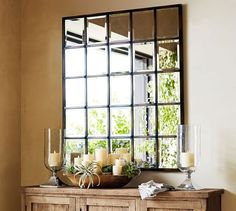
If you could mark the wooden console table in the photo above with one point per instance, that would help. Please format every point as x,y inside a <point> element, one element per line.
<point>75,199</point>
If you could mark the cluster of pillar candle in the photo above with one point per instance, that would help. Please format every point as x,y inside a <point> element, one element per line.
<point>101,156</point>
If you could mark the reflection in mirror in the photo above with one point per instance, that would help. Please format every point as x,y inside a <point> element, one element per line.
<point>95,144</point>
<point>143,23</point>
<point>121,143</point>
<point>73,65</point>
<point>119,27</point>
<point>96,29</point>
<point>168,118</point>
<point>74,32</point>
<point>73,97</point>
<point>97,98</point>
<point>75,148</point>
<point>120,121</point>
<point>96,60</point>
<point>144,57</point>
<point>167,152</point>
<point>123,84</point>
<point>120,95</point>
<point>144,121</point>
<point>97,122</point>
<point>144,89</point>
<point>169,87</point>
<point>168,54</point>
<point>145,152</point>
<point>75,123</point>
<point>120,58</point>
<point>167,23</point>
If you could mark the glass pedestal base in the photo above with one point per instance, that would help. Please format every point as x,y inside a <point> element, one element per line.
<point>53,181</point>
<point>187,183</point>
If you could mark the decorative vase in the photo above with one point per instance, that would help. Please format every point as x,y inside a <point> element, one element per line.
<point>53,154</point>
<point>188,153</point>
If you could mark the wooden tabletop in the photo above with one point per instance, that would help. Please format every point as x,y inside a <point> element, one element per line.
<point>131,192</point>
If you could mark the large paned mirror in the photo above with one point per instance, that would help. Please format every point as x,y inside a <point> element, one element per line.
<point>123,84</point>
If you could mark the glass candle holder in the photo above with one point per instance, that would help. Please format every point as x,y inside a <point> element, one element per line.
<point>53,153</point>
<point>188,153</point>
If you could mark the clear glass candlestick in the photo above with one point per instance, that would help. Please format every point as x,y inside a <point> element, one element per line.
<point>188,153</point>
<point>53,153</point>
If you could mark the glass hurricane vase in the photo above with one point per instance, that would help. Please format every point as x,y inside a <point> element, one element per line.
<point>188,153</point>
<point>53,154</point>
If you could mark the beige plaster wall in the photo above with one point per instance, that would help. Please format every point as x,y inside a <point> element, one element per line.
<point>210,80</point>
<point>10,105</point>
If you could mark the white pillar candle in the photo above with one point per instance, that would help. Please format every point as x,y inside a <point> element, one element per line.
<point>101,155</point>
<point>126,156</point>
<point>54,159</point>
<point>119,162</point>
<point>116,170</point>
<point>187,159</point>
<point>113,157</point>
<point>121,150</point>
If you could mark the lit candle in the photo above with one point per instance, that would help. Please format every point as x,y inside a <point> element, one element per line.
<point>187,159</point>
<point>116,170</point>
<point>54,159</point>
<point>121,150</point>
<point>119,162</point>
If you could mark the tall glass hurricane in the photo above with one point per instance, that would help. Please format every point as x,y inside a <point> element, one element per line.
<point>188,152</point>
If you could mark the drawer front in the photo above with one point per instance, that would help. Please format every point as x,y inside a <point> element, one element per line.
<point>107,204</point>
<point>174,206</point>
<point>41,203</point>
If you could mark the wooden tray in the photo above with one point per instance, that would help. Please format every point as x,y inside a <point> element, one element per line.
<point>106,181</point>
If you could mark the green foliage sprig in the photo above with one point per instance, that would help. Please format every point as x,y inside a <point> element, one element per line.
<point>71,169</point>
<point>130,170</point>
<point>107,169</point>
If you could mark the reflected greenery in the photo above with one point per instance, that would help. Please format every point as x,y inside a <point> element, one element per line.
<point>168,153</point>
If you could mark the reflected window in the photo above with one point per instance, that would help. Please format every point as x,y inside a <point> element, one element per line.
<point>123,84</point>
